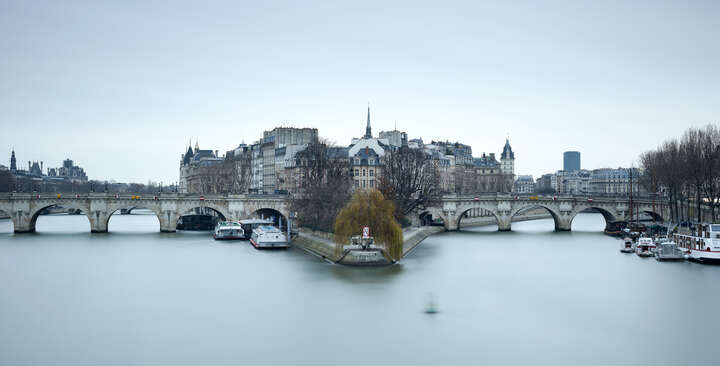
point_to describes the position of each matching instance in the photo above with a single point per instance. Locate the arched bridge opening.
(273, 215)
(143, 219)
(653, 216)
(538, 217)
(65, 217)
(478, 217)
(201, 218)
(593, 219)
(429, 218)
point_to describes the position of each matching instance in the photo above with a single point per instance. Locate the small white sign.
(366, 232)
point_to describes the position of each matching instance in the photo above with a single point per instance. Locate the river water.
(532, 296)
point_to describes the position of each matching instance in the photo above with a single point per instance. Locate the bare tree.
(410, 180)
(324, 186)
(685, 170)
(237, 172)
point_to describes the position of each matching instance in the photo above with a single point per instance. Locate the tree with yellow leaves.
(369, 208)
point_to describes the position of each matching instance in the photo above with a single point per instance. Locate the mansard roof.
(486, 161)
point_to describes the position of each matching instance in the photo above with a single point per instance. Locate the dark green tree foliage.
(370, 208)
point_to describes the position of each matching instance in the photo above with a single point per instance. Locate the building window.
(363, 172)
(372, 183)
(357, 184)
(372, 172)
(364, 184)
(357, 172)
(372, 161)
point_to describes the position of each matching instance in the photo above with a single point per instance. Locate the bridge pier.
(563, 225)
(451, 221)
(504, 223)
(22, 222)
(168, 221)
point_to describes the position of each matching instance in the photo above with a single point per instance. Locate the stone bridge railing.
(24, 208)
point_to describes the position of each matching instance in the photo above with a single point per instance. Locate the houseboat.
(268, 237)
(229, 230)
(645, 247)
(701, 242)
(249, 225)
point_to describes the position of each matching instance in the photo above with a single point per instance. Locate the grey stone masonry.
(24, 208)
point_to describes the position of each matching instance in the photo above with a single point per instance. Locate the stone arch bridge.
(563, 209)
(24, 208)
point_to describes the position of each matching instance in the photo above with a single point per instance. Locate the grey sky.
(120, 87)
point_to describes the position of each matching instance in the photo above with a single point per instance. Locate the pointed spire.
(13, 163)
(368, 130)
(197, 145)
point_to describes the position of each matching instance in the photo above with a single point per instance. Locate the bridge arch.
(273, 214)
(559, 219)
(222, 214)
(429, 216)
(121, 206)
(608, 214)
(463, 212)
(655, 216)
(34, 214)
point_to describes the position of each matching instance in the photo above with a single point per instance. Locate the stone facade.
(524, 184)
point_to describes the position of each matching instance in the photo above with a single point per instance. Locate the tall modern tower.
(571, 161)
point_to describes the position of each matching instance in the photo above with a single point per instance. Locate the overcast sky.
(120, 87)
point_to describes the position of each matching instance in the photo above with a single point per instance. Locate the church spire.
(368, 130)
(13, 162)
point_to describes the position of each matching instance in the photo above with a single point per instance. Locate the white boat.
(645, 247)
(668, 251)
(251, 224)
(701, 242)
(268, 237)
(627, 246)
(228, 230)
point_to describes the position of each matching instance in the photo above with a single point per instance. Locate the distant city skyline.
(120, 88)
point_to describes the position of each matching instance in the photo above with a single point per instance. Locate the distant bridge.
(24, 208)
(563, 208)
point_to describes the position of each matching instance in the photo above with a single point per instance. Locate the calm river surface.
(531, 296)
